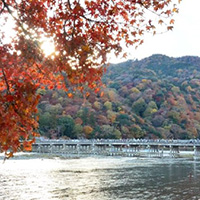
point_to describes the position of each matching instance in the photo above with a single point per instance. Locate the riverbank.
(143, 154)
(27, 155)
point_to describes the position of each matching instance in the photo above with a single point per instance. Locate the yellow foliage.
(154, 110)
(108, 105)
(135, 90)
(97, 105)
(189, 89)
(144, 80)
(141, 86)
(111, 95)
(87, 130)
(111, 116)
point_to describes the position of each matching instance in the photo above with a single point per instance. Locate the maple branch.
(91, 20)
(64, 25)
(69, 3)
(6, 81)
(6, 6)
(8, 91)
(11, 13)
(152, 11)
(17, 20)
(88, 19)
(25, 32)
(2, 9)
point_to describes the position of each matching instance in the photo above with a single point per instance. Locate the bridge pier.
(114, 150)
(85, 149)
(196, 152)
(153, 151)
(72, 148)
(134, 150)
(174, 151)
(42, 148)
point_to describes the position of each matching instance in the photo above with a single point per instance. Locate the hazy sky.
(183, 40)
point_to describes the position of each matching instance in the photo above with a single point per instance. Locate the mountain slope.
(156, 97)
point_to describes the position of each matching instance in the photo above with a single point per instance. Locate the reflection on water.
(99, 178)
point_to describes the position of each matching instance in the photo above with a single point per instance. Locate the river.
(99, 178)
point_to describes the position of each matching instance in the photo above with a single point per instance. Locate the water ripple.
(99, 178)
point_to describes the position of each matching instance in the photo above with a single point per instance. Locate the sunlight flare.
(48, 47)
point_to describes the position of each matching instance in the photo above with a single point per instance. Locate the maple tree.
(83, 32)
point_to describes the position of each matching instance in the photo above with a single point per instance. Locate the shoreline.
(142, 155)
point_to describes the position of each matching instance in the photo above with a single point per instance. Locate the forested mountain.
(156, 97)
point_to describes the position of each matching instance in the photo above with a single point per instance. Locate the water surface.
(99, 178)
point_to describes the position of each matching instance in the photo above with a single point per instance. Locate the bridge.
(128, 147)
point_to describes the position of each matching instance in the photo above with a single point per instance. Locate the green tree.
(46, 123)
(108, 131)
(108, 105)
(136, 131)
(78, 131)
(66, 126)
(123, 119)
(151, 109)
(139, 106)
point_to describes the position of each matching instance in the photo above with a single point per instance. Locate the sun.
(48, 47)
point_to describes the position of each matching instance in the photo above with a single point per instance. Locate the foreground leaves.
(83, 33)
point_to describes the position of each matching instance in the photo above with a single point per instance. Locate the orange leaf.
(9, 155)
(175, 10)
(87, 94)
(70, 95)
(51, 87)
(169, 28)
(97, 90)
(27, 145)
(59, 86)
(172, 21)
(102, 93)
(36, 134)
(160, 21)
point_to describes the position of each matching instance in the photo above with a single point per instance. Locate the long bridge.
(128, 147)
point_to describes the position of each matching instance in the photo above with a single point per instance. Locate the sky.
(183, 40)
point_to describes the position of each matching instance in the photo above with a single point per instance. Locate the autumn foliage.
(156, 97)
(83, 33)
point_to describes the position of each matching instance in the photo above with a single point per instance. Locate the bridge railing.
(128, 147)
(122, 141)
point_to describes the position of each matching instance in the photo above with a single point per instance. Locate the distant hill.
(156, 97)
